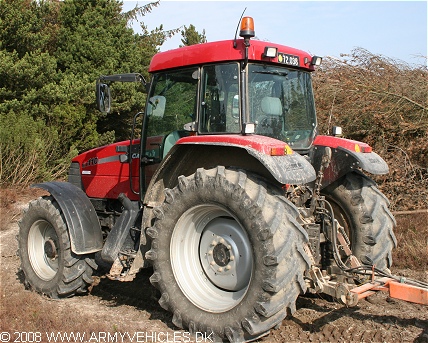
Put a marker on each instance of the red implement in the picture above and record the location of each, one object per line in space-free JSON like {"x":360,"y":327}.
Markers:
{"x":396,"y":289}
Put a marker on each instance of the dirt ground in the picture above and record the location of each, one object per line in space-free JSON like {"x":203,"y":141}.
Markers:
{"x":130,"y":312}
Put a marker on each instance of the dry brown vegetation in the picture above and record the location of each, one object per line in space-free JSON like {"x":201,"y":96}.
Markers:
{"x":382,"y":102}
{"x":412,"y":237}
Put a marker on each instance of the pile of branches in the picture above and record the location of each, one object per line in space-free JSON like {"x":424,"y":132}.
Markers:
{"x":382,"y":102}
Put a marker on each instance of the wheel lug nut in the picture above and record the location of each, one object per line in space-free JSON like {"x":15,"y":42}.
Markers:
{"x":222,"y":240}
{"x":228,"y":267}
{"x":214,"y":243}
{"x":229,"y":247}
{"x":212,"y":263}
{"x":210,"y":252}
{"x":232,"y":258}
{"x":220,"y":269}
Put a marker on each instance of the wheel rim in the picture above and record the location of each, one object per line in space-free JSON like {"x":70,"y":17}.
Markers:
{"x":211,"y":258}
{"x":43,"y":250}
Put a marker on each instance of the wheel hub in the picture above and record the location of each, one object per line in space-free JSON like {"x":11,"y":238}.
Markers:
{"x":225,"y":255}
{"x":221,"y":255}
{"x":50,"y":249}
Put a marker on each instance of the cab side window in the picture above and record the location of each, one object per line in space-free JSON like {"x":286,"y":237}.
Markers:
{"x":219,"y":110}
{"x":172,"y":101}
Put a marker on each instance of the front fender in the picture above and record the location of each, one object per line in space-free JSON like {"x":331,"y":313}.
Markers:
{"x":347,"y":155}
{"x":79,"y":213}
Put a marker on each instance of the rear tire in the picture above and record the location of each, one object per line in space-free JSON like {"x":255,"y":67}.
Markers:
{"x":363,"y":211}
{"x":228,"y":254}
{"x":48,"y":264}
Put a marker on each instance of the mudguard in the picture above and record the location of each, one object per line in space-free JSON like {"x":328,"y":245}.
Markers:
{"x":288,"y":169}
{"x":267,"y":157}
{"x":286,"y":166}
{"x":347,"y":155}
{"x":80,"y":216}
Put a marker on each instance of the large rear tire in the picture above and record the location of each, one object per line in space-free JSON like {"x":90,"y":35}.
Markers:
{"x":228,"y":254}
{"x":363,"y":211}
{"x":48,"y":264}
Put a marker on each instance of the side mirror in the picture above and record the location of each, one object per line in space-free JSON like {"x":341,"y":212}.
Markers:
{"x":103,"y":97}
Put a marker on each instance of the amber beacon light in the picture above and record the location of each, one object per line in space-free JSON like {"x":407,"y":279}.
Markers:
{"x":247,"y":28}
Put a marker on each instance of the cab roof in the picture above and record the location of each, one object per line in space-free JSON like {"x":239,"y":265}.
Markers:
{"x":222,"y":51}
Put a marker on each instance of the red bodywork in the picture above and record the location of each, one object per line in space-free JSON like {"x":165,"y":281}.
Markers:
{"x":263,"y":144}
{"x":335,"y":142}
{"x":224,"y":51}
{"x":104,"y":176}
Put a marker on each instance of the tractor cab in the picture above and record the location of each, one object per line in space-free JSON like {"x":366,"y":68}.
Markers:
{"x":229,"y":88}
{"x":231,"y":98}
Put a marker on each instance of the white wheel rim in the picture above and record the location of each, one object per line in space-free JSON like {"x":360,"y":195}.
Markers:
{"x":43,"y":249}
{"x":211,"y":258}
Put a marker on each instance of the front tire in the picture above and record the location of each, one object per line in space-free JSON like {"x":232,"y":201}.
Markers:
{"x":363,"y":211}
{"x":48,"y":264}
{"x":228,"y":254}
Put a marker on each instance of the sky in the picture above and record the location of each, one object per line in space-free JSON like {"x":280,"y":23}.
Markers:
{"x":395,"y":29}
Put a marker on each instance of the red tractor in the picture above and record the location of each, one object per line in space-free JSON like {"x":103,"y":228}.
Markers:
{"x":229,"y":194}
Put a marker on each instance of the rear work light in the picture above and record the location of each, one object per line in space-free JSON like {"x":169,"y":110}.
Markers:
{"x":249,"y":128}
{"x":337,"y":131}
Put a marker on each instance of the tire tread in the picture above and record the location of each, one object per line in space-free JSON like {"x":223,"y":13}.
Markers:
{"x":275,"y":227}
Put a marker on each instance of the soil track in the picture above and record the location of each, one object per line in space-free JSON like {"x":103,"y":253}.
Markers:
{"x":132,"y":307}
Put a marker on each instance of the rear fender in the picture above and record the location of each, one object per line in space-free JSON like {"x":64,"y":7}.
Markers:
{"x":79,"y":213}
{"x":347,"y":155}
{"x":252,"y":153}
{"x":285,"y":166}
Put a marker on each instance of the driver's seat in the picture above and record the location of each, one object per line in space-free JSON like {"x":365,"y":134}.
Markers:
{"x":271,"y":106}
{"x":171,"y":139}
{"x":270,"y":120}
